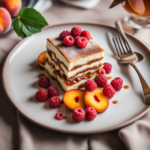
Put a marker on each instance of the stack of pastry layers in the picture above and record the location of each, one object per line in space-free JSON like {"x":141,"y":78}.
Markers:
{"x":73,"y":66}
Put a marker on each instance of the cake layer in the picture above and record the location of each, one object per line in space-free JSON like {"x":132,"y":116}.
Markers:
{"x":72,"y":83}
{"x":92,"y":65}
{"x":74,"y":56}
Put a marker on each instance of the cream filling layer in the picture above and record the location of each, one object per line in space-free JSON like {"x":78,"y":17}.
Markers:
{"x":70,"y":74}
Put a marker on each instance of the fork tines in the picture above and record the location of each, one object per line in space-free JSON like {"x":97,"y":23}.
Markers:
{"x":121,"y":46}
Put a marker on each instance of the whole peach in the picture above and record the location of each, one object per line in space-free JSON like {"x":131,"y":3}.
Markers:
{"x":13,"y":6}
{"x":5,"y":20}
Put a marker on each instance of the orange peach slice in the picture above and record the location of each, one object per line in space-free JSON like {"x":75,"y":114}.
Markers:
{"x":74,"y":99}
{"x":41,"y":59}
{"x":97,"y":100}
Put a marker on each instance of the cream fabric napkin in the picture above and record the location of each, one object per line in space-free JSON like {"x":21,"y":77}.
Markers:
{"x":29,"y":136}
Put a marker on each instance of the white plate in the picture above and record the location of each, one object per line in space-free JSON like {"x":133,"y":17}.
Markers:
{"x":20,"y":77}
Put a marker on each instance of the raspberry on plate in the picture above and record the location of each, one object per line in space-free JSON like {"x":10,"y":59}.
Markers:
{"x":90,"y":113}
{"x":64,"y":34}
{"x":76,"y":38}
{"x":52,"y":91}
{"x":117,"y":83}
{"x":54,"y":102}
{"x":76,"y":31}
{"x":101,"y":80}
{"x":68,"y":40}
{"x":90,"y":85}
{"x":86,"y":34}
{"x":109,"y":91}
{"x":82,"y":42}
{"x":59,"y":116}
{"x":41,"y":95}
{"x":78,"y":114}
{"x":44,"y":82}
{"x":101,"y":71}
{"x":107,"y":67}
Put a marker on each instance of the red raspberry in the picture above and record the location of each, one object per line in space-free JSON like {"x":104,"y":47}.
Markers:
{"x":90,"y":85}
{"x":59,"y":116}
{"x":107,"y":67}
{"x":101,"y":71}
{"x":44,"y":82}
{"x":64,"y":34}
{"x":68,"y":41}
{"x":82,"y":42}
{"x":90,"y":113}
{"x":76,"y":31}
{"x":109,"y":91}
{"x":117,"y":83}
{"x":52,"y":91}
{"x":54,"y":102}
{"x":101,"y":80}
{"x":86,"y":34}
{"x":41,"y":95}
{"x":78,"y":115}
{"x":76,"y":38}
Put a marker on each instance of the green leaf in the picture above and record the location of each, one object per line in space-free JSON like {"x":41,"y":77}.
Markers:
{"x":28,"y":22}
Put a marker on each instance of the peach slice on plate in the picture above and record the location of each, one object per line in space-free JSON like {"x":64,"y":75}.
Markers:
{"x":41,"y":59}
{"x":74,"y":99}
{"x":97,"y":100}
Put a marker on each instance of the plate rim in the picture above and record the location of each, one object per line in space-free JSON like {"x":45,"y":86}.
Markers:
{"x":138,"y":116}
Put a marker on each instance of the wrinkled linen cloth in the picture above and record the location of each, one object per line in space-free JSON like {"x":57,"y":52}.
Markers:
{"x":16,"y":132}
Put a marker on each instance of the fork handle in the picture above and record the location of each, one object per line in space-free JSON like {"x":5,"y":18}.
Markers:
{"x":145,"y":86}
{"x":120,"y":30}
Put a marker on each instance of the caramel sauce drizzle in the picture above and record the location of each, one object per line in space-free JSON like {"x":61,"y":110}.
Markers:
{"x":126,"y":86}
{"x":115,"y":102}
{"x":75,"y":67}
{"x":109,"y":78}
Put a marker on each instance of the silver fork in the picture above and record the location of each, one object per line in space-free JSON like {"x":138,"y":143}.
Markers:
{"x":127,"y":56}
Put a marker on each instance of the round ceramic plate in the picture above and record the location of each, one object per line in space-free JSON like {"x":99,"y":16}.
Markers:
{"x":21,"y":74}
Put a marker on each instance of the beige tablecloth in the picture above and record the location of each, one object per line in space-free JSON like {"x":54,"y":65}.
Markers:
{"x":29,"y":136}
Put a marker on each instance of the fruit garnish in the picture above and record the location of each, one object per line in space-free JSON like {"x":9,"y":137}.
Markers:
{"x":107,"y":67}
{"x":90,"y":85}
{"x":109,"y":91}
{"x":82,"y":42}
{"x":59,"y":116}
{"x":68,"y":40}
{"x":54,"y":102}
{"x":41,"y":59}
{"x":76,"y":31}
{"x":41,"y":95}
{"x":74,"y":99}
{"x":117,"y":83}
{"x":86,"y":34}
{"x":101,"y":80}
{"x":78,"y":115}
{"x":44,"y":82}
{"x":90,"y":113}
{"x":53,"y":91}
{"x":64,"y":34}
{"x":97,"y":100}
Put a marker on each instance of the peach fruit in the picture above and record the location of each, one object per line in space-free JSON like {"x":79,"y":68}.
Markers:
{"x":41,"y":59}
{"x":5,"y":20}
{"x":97,"y":100}
{"x":13,"y":6}
{"x":74,"y":99}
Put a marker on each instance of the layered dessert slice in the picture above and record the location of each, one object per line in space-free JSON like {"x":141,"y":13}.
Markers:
{"x":72,"y":66}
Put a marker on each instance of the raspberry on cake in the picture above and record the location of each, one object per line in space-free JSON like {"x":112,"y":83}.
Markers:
{"x":73,"y":66}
